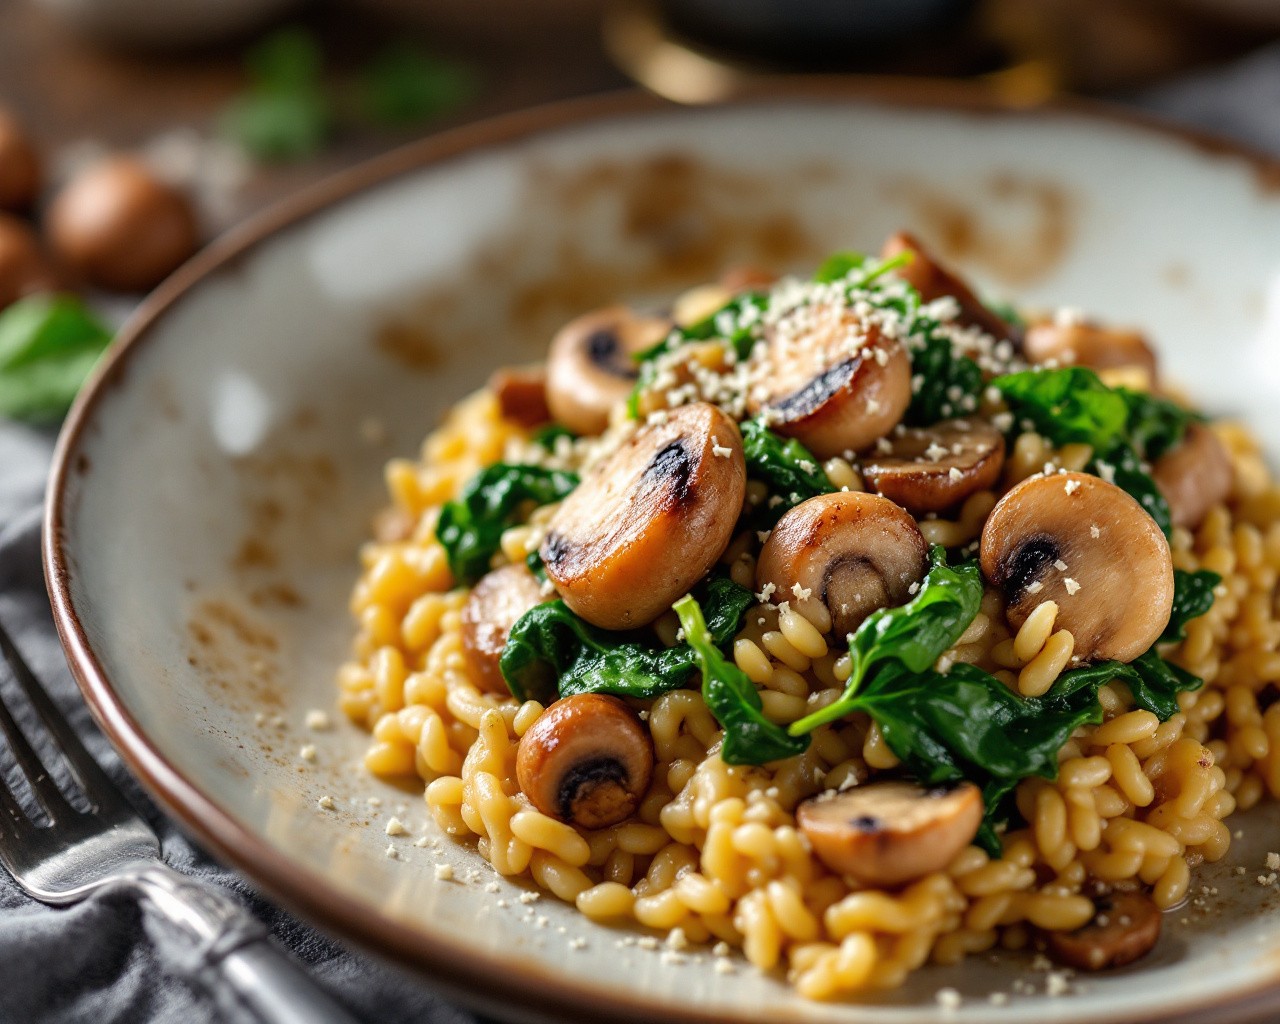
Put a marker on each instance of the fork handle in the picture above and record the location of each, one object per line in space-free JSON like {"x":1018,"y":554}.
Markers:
{"x":212,"y":940}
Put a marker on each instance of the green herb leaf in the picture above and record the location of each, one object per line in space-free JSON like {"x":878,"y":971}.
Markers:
{"x":547,"y":435}
{"x":404,"y":86}
{"x":788,"y":467}
{"x":1126,"y":471}
{"x":1192,"y":597}
{"x":912,"y":635}
{"x":966,"y":724}
{"x":946,"y":379}
{"x":839,"y":265}
{"x":1156,"y":683}
{"x":1155,"y":424}
{"x":471,"y":527}
{"x":749,"y":737}
{"x":48,"y":346}
{"x":551,"y":652}
{"x":1068,"y":405}
{"x":285,"y":114}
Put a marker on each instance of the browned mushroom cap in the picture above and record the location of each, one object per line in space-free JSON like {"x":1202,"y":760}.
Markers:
{"x":830,"y":380}
{"x":522,"y":393}
{"x":590,"y":367}
{"x":891,"y":833}
{"x":650,"y":520}
{"x":19,"y":165}
{"x":492,"y":608}
{"x":1087,"y":545}
{"x":1088,"y":344}
{"x":853,"y":552}
{"x":933,"y":281}
{"x":24,"y":268}
{"x":587,"y":760}
{"x":1194,"y":476}
{"x":1125,"y":927}
{"x":928,"y":469}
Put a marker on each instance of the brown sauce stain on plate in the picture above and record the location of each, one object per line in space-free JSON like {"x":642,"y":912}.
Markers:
{"x":413,"y":345}
{"x":1017,"y":229}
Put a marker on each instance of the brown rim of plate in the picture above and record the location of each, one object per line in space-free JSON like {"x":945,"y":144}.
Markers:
{"x":481,"y":978}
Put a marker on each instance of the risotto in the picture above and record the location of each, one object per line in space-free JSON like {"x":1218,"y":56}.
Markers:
{"x":851,"y":621}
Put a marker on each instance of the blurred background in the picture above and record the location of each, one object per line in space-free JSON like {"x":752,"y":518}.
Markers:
{"x":242,"y":101}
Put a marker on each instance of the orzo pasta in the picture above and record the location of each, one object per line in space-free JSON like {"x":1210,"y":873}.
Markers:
{"x":981,"y":639}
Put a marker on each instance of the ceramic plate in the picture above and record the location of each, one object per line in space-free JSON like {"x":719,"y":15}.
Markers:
{"x":215,"y":481}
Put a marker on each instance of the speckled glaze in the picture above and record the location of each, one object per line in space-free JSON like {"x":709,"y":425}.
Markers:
{"x":215,"y":482}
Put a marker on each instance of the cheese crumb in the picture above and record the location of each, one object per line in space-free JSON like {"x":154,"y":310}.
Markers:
{"x":530,"y":897}
{"x":444,"y":873}
{"x":934,"y":452}
{"x":317,"y":720}
{"x":1273,"y":861}
{"x":724,"y":967}
{"x":493,"y":887}
{"x":949,"y":999}
{"x":720,"y":450}
{"x":677,"y":939}
{"x":1071,"y":486}
{"x":395,"y":827}
{"x":1060,"y":565}
{"x":1094,"y":532}
{"x":955,"y":474}
{"x":1056,"y":984}
{"x":1034,"y":587}
{"x":578,"y":943}
{"x":308,"y":752}
{"x":647,"y":942}
{"x":392,"y":852}
{"x":325,"y":803}
{"x":721,"y":949}
{"x":801,"y":593}
{"x":1072,"y":586}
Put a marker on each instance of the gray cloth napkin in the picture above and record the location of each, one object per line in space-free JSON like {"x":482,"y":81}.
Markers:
{"x":94,"y":962}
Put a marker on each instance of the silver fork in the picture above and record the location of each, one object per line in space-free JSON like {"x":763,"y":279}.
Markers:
{"x":109,"y":847}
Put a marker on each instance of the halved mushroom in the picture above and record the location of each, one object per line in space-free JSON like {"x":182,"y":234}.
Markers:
{"x":1125,"y":927}
{"x":831,"y":380}
{"x":522,"y":393}
{"x":853,"y":552}
{"x":649,"y":520}
{"x":587,"y":760}
{"x":891,"y":833}
{"x":934,"y":281}
{"x":1083,"y":343}
{"x":491,"y":609}
{"x":928,"y":469}
{"x":1194,"y":476}
{"x":590,"y":367}
{"x":1087,"y":545}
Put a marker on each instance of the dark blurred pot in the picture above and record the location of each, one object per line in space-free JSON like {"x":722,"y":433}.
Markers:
{"x":826,"y":27}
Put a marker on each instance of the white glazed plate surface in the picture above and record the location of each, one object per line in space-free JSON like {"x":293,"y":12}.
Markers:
{"x":215,"y":483}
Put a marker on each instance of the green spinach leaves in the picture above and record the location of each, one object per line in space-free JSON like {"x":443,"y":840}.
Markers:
{"x":1125,"y":428}
{"x":788,"y":467}
{"x":749,"y":737}
{"x":470,"y":528}
{"x":552,"y":653}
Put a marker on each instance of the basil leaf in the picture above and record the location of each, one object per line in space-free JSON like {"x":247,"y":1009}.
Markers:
{"x":470,"y":528}
{"x":404,"y":86}
{"x":1068,"y":405}
{"x":912,"y":635}
{"x":788,"y":467}
{"x":551,"y":652}
{"x":749,"y":737}
{"x":286,"y":113}
{"x":1192,"y":597}
{"x":48,"y":346}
